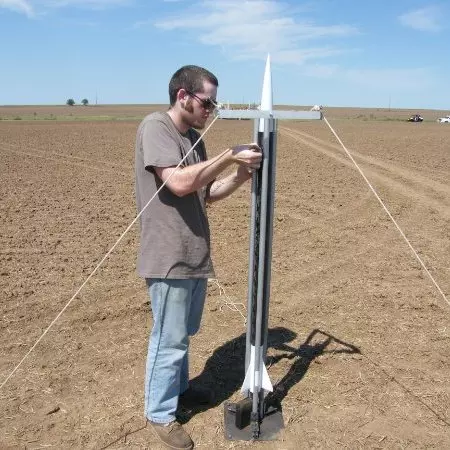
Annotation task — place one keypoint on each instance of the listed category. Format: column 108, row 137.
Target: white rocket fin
column 248, row 380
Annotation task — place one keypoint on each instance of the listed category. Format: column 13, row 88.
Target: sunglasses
column 207, row 103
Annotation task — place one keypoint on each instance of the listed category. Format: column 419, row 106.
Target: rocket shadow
column 224, row 370
column 315, row 345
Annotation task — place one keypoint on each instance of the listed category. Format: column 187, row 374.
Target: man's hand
column 247, row 155
column 244, row 173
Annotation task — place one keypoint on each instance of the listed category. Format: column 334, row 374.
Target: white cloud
column 251, row 29
column 96, row 4
column 29, row 7
column 21, row 6
column 424, row 19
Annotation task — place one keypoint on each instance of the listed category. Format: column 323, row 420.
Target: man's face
column 197, row 108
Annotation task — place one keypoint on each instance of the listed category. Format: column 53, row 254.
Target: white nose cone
column 267, row 94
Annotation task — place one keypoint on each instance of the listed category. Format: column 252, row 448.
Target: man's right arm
column 185, row 180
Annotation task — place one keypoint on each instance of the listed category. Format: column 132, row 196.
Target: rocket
column 255, row 417
column 256, row 379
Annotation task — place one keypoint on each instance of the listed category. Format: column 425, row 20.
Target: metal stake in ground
column 251, row 418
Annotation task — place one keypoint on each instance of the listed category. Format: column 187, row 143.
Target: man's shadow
column 224, row 370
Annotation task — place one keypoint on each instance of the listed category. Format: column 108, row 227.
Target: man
column 174, row 255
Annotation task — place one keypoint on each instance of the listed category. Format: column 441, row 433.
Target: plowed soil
column 359, row 330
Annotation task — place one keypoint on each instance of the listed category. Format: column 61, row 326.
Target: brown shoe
column 172, row 435
column 195, row 396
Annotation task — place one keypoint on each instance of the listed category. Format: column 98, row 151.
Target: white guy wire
column 233, row 306
column 388, row 213
column 106, row 256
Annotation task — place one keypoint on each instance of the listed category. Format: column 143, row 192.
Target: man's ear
column 182, row 96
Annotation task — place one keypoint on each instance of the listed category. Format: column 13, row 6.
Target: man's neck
column 178, row 121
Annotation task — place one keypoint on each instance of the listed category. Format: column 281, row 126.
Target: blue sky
column 331, row 52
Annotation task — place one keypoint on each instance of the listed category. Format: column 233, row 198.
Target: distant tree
column 85, row 102
column 70, row 102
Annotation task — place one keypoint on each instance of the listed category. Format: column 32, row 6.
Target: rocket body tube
column 257, row 382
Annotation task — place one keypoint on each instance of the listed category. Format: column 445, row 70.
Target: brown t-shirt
column 175, row 238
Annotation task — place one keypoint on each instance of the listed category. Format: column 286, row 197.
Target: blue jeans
column 177, row 307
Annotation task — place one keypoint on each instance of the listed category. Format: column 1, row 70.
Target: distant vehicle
column 445, row 119
column 415, row 118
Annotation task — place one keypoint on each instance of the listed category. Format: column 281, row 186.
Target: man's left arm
column 223, row 187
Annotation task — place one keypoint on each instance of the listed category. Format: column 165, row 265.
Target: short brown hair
column 191, row 79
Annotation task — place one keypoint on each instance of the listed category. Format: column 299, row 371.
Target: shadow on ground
column 224, row 370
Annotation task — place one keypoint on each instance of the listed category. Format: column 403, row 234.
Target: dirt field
column 359, row 334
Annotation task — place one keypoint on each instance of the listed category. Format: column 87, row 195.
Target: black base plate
column 270, row 426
